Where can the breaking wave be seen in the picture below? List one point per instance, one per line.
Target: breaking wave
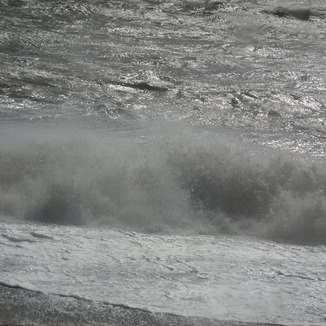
(159, 183)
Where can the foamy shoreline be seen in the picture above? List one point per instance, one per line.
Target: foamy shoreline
(21, 307)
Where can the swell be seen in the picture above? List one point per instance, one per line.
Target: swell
(160, 183)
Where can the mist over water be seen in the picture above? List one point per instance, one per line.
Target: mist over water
(160, 181)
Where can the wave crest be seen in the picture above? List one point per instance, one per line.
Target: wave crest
(161, 184)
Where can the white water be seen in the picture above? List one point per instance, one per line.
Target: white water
(229, 278)
(166, 155)
(187, 262)
(161, 180)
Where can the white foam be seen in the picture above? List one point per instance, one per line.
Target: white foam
(228, 278)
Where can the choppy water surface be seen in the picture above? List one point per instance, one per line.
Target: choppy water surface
(189, 124)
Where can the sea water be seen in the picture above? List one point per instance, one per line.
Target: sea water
(166, 156)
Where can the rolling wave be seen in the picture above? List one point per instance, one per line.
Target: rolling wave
(165, 184)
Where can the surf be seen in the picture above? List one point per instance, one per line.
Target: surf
(186, 182)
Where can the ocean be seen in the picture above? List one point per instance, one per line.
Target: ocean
(162, 162)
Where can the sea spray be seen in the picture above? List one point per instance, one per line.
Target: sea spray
(160, 183)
